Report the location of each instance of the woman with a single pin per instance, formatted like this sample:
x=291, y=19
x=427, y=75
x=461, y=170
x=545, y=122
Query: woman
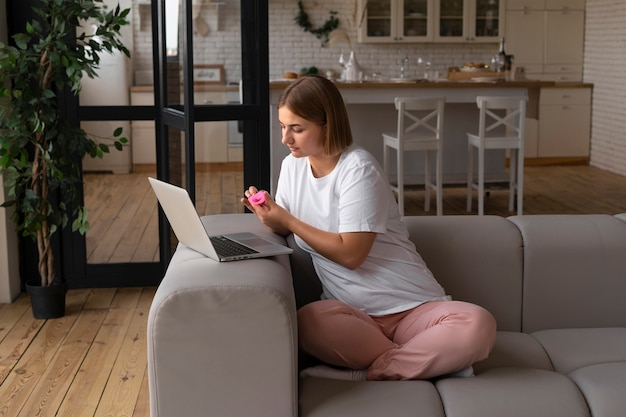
x=382, y=312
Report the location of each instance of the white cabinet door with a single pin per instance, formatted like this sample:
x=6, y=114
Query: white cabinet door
x=415, y=20
x=564, y=122
x=397, y=21
x=469, y=20
x=525, y=38
x=486, y=20
x=564, y=36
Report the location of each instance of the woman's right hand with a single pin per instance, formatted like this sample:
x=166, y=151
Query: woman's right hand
x=271, y=214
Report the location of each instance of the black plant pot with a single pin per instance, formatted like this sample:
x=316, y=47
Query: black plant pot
x=47, y=302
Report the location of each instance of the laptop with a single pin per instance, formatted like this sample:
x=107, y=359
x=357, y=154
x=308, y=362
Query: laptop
x=191, y=232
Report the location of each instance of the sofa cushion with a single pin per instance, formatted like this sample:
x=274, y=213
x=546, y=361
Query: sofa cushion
x=604, y=388
x=514, y=349
x=574, y=271
x=321, y=397
x=476, y=259
x=512, y=392
x=570, y=349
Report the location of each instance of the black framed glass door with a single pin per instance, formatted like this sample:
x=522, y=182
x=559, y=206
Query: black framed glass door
x=188, y=121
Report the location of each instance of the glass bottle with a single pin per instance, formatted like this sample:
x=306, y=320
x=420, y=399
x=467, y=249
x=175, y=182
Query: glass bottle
x=501, y=62
x=353, y=69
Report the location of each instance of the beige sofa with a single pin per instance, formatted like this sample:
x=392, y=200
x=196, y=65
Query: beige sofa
x=222, y=337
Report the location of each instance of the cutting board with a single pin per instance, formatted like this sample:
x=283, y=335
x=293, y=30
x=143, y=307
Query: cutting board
x=456, y=74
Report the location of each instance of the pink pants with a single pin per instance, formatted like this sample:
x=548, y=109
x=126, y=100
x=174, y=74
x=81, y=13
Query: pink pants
x=433, y=339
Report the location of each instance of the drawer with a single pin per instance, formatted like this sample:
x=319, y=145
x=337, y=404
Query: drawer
x=565, y=96
x=565, y=4
x=525, y=4
x=556, y=68
x=205, y=97
x=531, y=68
x=563, y=77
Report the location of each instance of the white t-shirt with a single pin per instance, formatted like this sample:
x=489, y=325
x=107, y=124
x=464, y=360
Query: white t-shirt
x=355, y=197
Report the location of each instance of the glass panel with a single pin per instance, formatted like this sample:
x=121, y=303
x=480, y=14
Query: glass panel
x=379, y=18
x=219, y=166
x=487, y=23
x=219, y=183
x=172, y=19
x=415, y=16
x=173, y=47
x=121, y=207
x=217, y=75
x=451, y=18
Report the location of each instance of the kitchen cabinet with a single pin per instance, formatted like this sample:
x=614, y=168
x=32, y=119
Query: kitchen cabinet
x=211, y=143
x=525, y=38
x=564, y=122
x=468, y=20
x=547, y=38
x=400, y=21
x=563, y=59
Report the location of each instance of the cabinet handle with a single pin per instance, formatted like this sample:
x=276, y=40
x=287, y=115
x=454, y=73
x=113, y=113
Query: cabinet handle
x=525, y=10
x=565, y=108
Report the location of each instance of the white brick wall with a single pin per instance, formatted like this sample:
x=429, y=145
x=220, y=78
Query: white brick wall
x=292, y=49
x=605, y=67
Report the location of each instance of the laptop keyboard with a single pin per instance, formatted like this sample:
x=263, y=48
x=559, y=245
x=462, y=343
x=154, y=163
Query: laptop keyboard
x=226, y=247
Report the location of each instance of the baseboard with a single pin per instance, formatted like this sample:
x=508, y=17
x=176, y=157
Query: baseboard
x=573, y=160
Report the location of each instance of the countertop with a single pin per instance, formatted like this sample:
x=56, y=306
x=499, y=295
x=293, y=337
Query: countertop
x=197, y=87
x=280, y=84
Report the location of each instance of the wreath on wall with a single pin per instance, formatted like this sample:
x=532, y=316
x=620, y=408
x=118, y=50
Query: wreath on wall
x=322, y=32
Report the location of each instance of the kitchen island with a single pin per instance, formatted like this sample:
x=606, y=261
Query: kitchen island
x=371, y=111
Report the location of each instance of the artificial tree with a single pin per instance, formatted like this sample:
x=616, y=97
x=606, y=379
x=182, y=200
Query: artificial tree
x=40, y=150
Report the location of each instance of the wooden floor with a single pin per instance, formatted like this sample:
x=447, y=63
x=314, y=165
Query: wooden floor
x=92, y=362
x=123, y=212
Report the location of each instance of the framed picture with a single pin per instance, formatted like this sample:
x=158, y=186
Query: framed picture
x=208, y=74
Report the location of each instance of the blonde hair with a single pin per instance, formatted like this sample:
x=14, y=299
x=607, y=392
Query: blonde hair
x=318, y=100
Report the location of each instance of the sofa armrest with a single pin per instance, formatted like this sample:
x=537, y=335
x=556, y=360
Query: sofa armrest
x=222, y=337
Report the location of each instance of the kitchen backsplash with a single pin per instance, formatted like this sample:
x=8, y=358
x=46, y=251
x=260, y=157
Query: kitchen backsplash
x=291, y=48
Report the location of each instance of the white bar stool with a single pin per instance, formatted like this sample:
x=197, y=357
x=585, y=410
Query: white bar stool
x=420, y=128
x=501, y=126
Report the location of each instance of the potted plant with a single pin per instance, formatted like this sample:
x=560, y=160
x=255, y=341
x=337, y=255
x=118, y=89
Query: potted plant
x=40, y=151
